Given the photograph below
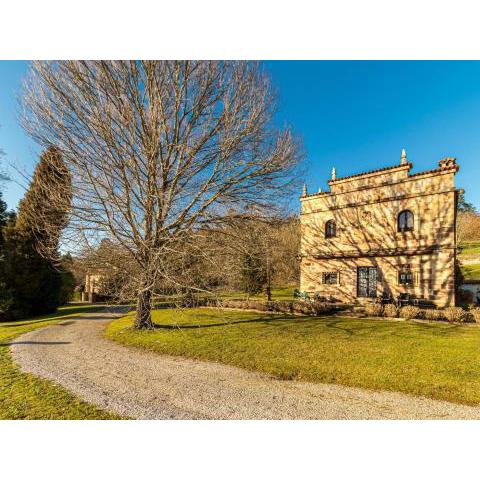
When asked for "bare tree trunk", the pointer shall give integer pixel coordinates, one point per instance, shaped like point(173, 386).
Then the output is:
point(269, 281)
point(269, 292)
point(143, 319)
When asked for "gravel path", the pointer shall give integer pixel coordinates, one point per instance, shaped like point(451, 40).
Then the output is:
point(141, 384)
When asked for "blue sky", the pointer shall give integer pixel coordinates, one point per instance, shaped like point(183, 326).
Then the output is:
point(354, 115)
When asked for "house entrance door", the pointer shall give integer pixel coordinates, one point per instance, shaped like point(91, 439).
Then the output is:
point(367, 282)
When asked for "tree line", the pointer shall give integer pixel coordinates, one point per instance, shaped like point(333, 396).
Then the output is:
point(250, 253)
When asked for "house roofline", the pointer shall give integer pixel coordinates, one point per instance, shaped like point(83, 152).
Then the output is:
point(371, 173)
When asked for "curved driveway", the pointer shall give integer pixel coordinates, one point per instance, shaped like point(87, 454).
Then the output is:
point(141, 384)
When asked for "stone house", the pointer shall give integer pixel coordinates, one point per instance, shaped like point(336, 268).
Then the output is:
point(385, 232)
point(93, 281)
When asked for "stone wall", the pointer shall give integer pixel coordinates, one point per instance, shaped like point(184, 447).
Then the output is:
point(365, 209)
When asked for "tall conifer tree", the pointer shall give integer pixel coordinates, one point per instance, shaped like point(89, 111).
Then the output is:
point(33, 272)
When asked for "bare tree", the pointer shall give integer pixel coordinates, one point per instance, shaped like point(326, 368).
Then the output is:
point(260, 251)
point(468, 227)
point(158, 149)
point(3, 174)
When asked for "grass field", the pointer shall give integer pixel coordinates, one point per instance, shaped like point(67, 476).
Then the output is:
point(24, 396)
point(437, 360)
point(470, 248)
point(471, 272)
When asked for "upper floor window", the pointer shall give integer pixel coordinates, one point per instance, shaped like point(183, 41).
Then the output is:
point(405, 221)
point(330, 229)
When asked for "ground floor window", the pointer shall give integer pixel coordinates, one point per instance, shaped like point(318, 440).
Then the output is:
point(366, 281)
point(330, 278)
point(405, 277)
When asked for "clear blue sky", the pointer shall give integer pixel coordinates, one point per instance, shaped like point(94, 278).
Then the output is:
point(355, 116)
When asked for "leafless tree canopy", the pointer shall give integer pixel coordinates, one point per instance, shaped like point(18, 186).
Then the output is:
point(468, 227)
point(158, 148)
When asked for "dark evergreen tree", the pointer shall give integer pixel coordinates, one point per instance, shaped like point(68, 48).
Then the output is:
point(4, 217)
point(464, 206)
point(43, 212)
point(33, 281)
point(34, 275)
point(5, 294)
point(253, 274)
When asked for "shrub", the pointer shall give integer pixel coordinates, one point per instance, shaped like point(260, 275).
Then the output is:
point(455, 314)
point(227, 303)
point(433, 314)
point(320, 308)
point(302, 307)
point(475, 313)
point(283, 306)
point(390, 310)
point(250, 305)
point(410, 312)
point(289, 307)
point(465, 297)
point(374, 309)
point(279, 306)
point(261, 306)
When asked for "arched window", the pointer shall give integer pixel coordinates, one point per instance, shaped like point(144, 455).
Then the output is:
point(330, 229)
point(405, 221)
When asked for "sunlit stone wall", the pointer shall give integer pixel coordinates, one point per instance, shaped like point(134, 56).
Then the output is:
point(365, 209)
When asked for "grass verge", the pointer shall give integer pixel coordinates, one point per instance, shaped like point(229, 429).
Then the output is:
point(471, 272)
point(470, 248)
point(437, 360)
point(24, 396)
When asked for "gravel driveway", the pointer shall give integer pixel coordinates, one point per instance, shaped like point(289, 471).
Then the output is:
point(145, 385)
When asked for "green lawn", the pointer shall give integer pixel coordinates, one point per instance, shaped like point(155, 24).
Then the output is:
point(438, 360)
point(471, 272)
point(470, 248)
point(24, 396)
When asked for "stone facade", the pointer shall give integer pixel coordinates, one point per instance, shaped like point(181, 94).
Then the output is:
point(92, 282)
point(382, 233)
point(92, 286)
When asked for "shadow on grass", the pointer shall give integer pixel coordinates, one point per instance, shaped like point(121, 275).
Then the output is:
point(177, 326)
point(23, 324)
point(349, 326)
point(394, 328)
point(65, 312)
point(34, 343)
